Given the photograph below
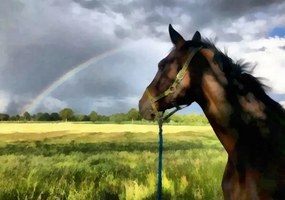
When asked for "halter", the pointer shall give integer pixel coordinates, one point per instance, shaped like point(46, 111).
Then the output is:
point(172, 88)
point(179, 77)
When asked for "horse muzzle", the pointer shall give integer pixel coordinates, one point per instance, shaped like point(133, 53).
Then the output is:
point(147, 108)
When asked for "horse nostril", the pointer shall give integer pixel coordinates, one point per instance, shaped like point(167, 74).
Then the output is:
point(152, 115)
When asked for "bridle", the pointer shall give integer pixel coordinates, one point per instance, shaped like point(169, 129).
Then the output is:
point(172, 88)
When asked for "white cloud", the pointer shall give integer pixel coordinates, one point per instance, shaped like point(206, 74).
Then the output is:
point(131, 100)
point(52, 104)
point(247, 29)
point(102, 102)
point(4, 101)
point(267, 54)
point(108, 102)
point(282, 103)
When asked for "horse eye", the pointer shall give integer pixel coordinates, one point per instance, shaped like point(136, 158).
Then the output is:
point(171, 60)
point(160, 67)
point(161, 64)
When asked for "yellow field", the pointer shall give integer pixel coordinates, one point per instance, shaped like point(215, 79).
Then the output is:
point(69, 128)
point(108, 161)
point(11, 132)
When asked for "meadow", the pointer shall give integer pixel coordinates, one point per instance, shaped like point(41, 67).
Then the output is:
point(108, 161)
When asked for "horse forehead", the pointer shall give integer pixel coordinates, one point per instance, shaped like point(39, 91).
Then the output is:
point(171, 53)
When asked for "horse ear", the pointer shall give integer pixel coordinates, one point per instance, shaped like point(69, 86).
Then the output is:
point(197, 36)
point(175, 36)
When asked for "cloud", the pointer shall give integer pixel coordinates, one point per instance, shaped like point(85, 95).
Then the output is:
point(146, 17)
point(268, 56)
point(51, 104)
point(109, 105)
point(43, 40)
point(12, 103)
point(4, 101)
point(125, 76)
point(282, 103)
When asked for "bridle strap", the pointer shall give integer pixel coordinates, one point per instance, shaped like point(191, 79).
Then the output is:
point(179, 77)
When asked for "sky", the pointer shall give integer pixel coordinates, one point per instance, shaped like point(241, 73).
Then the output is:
point(100, 55)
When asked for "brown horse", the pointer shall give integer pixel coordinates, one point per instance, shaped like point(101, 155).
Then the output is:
point(248, 123)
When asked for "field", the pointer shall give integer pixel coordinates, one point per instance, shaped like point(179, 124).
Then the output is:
point(104, 161)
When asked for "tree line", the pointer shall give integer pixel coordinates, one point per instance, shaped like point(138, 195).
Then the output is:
point(67, 114)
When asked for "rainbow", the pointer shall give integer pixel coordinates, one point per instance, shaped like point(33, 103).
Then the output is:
point(75, 70)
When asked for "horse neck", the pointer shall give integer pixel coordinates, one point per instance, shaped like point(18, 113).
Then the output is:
point(217, 109)
point(210, 94)
point(226, 110)
point(247, 118)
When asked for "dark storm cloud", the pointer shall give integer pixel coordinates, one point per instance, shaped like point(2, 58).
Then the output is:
point(41, 48)
point(239, 8)
point(42, 40)
point(89, 4)
point(13, 107)
point(36, 65)
point(121, 32)
point(117, 77)
point(145, 16)
point(94, 83)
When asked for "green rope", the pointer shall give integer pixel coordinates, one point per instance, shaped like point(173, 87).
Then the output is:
point(179, 77)
point(160, 148)
point(162, 119)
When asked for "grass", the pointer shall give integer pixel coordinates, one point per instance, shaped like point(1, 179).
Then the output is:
point(73, 127)
point(88, 161)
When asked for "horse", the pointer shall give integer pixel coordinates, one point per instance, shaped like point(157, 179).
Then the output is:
point(249, 124)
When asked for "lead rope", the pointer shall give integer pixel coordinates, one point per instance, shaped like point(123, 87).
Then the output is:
point(160, 148)
point(161, 119)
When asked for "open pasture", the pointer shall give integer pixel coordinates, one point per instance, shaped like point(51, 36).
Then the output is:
point(107, 161)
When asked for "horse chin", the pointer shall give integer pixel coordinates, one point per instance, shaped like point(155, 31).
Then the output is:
point(148, 115)
point(146, 112)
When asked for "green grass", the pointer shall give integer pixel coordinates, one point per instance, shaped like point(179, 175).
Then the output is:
point(114, 165)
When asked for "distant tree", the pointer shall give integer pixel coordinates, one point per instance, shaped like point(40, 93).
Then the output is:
point(104, 118)
point(119, 117)
point(44, 117)
point(193, 118)
point(94, 116)
point(27, 116)
point(133, 114)
point(34, 117)
point(4, 117)
point(176, 118)
point(82, 118)
point(17, 117)
point(38, 116)
point(66, 114)
point(54, 117)
point(14, 118)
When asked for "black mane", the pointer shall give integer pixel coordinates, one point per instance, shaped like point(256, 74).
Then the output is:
point(239, 75)
point(233, 70)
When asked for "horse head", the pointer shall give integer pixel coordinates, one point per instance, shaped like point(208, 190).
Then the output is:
point(173, 81)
